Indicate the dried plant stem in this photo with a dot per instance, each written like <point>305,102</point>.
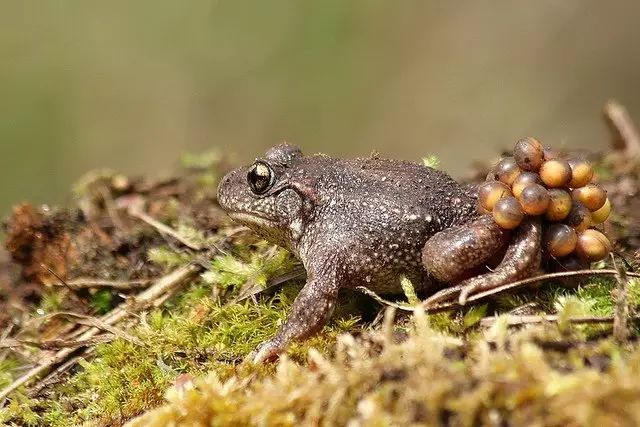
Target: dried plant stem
<point>512,320</point>
<point>163,229</point>
<point>492,292</point>
<point>168,283</point>
<point>82,283</point>
<point>621,308</point>
<point>624,132</point>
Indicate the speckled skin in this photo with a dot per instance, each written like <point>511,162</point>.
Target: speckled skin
<point>368,222</point>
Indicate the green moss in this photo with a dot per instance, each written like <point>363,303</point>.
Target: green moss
<point>248,267</point>
<point>207,330</point>
<point>421,380</point>
<point>431,161</point>
<point>168,256</point>
<point>196,336</point>
<point>102,301</point>
<point>51,300</point>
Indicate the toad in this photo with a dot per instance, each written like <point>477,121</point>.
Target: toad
<point>370,222</point>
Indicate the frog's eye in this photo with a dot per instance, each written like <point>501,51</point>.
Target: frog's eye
<point>260,177</point>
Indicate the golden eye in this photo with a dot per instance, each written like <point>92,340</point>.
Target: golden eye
<point>260,177</point>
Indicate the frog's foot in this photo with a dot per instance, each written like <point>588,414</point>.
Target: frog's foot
<point>311,310</point>
<point>522,259</point>
<point>265,352</point>
<point>450,253</point>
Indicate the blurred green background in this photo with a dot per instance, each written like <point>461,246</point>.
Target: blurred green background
<point>132,84</point>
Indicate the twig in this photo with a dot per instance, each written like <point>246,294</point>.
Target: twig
<point>512,320</point>
<point>163,285</point>
<point>97,323</point>
<point>82,283</point>
<point>56,344</point>
<point>500,289</point>
<point>54,376</point>
<point>404,306</point>
<point>162,228</point>
<point>621,307</point>
<point>111,206</point>
<point>536,279</point>
<point>624,132</point>
<point>85,320</point>
<point>56,275</point>
<point>5,335</point>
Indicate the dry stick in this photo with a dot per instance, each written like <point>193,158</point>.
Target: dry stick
<point>621,308</point>
<point>83,319</point>
<point>82,283</point>
<point>53,377</point>
<point>5,335</point>
<point>164,284</point>
<point>625,134</point>
<point>535,279</point>
<point>111,206</point>
<point>163,229</point>
<point>512,320</point>
<point>491,292</point>
<point>57,343</point>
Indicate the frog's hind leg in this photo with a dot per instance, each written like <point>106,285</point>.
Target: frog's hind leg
<point>522,259</point>
<point>449,254</point>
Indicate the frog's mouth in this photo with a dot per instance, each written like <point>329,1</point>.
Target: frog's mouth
<point>252,220</point>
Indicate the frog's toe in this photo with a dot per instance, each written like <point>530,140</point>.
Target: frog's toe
<point>441,296</point>
<point>522,259</point>
<point>266,352</point>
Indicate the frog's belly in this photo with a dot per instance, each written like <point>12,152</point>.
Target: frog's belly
<point>385,279</point>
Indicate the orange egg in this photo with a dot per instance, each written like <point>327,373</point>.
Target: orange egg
<point>593,245</point>
<point>579,217</point>
<point>490,192</point>
<point>508,213</point>
<point>560,203</point>
<point>555,173</point>
<point>524,179</point>
<point>506,170</point>
<point>601,214</point>
<point>560,239</point>
<point>581,172</point>
<point>534,199</point>
<point>591,195</point>
<point>529,154</point>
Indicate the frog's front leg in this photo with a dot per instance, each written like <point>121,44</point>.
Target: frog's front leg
<point>311,310</point>
<point>522,259</point>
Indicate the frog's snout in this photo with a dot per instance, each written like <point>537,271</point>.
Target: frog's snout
<point>225,189</point>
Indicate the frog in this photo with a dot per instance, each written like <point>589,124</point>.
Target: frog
<point>371,222</point>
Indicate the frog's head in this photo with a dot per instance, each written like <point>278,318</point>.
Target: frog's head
<point>268,196</point>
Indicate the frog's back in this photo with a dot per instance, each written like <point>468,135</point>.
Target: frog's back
<point>372,188</point>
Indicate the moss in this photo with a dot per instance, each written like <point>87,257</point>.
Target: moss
<point>195,336</point>
<point>423,380</point>
<point>431,161</point>
<point>423,370</point>
<point>168,257</point>
<point>102,301</point>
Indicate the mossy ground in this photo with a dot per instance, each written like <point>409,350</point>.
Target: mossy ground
<point>440,369</point>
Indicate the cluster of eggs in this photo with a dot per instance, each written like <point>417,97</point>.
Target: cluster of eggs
<point>536,182</point>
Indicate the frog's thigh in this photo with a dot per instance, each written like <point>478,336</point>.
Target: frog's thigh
<point>449,253</point>
<point>522,259</point>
